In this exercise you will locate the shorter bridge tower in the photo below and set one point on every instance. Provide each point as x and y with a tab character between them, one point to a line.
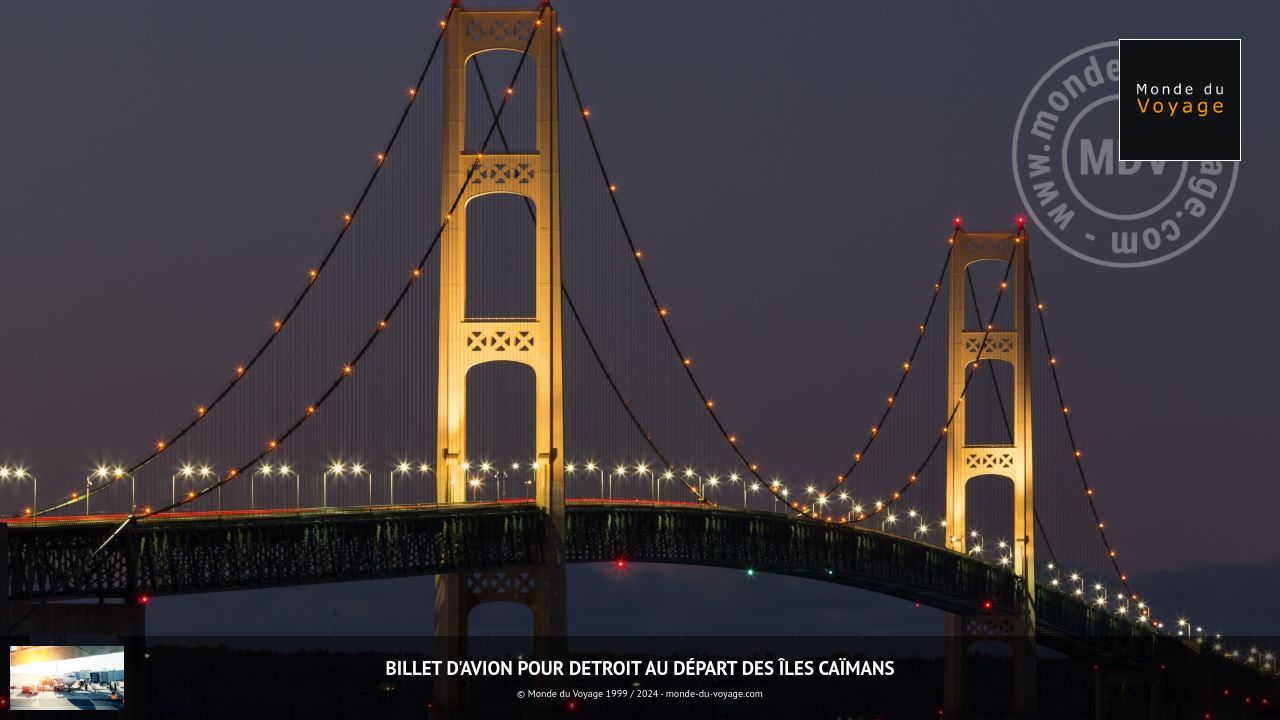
967	349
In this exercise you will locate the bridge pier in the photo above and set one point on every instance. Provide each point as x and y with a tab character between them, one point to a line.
1131	693
962	632
543	589
1189	683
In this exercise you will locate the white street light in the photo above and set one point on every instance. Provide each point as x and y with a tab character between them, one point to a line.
206	472
620	470
263	469
336	468
403	468
487	469
286	471
102	472
592	467
20	473
713	481
186	472
642	470
357	470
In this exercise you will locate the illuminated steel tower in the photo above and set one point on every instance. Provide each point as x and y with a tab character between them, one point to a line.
466	342
967	349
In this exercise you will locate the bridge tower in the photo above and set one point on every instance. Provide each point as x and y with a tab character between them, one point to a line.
466	342
966	461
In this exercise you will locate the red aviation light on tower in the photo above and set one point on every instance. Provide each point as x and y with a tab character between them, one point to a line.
957	221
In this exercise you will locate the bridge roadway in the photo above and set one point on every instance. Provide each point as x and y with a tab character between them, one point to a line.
201	552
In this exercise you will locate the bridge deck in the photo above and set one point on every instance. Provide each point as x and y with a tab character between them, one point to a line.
179	553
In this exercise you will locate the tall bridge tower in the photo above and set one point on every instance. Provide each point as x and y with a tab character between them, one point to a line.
967	349
466	342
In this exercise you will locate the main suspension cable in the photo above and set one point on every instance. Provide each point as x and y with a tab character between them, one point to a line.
1066	419
313	275
895	396
660	310
348	369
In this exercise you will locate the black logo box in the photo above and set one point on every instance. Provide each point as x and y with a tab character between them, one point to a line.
1211	132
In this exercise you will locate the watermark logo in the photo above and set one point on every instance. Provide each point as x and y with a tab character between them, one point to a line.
1082	196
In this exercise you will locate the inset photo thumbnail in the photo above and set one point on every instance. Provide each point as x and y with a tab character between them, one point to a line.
66	677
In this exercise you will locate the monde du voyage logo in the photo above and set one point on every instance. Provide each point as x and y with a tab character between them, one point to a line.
1129	170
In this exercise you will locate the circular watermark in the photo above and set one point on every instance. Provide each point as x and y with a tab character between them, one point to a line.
1077	190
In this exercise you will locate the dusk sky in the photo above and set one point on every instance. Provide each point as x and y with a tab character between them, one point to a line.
166	170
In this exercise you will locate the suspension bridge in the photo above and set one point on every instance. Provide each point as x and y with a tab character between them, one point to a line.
571	426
